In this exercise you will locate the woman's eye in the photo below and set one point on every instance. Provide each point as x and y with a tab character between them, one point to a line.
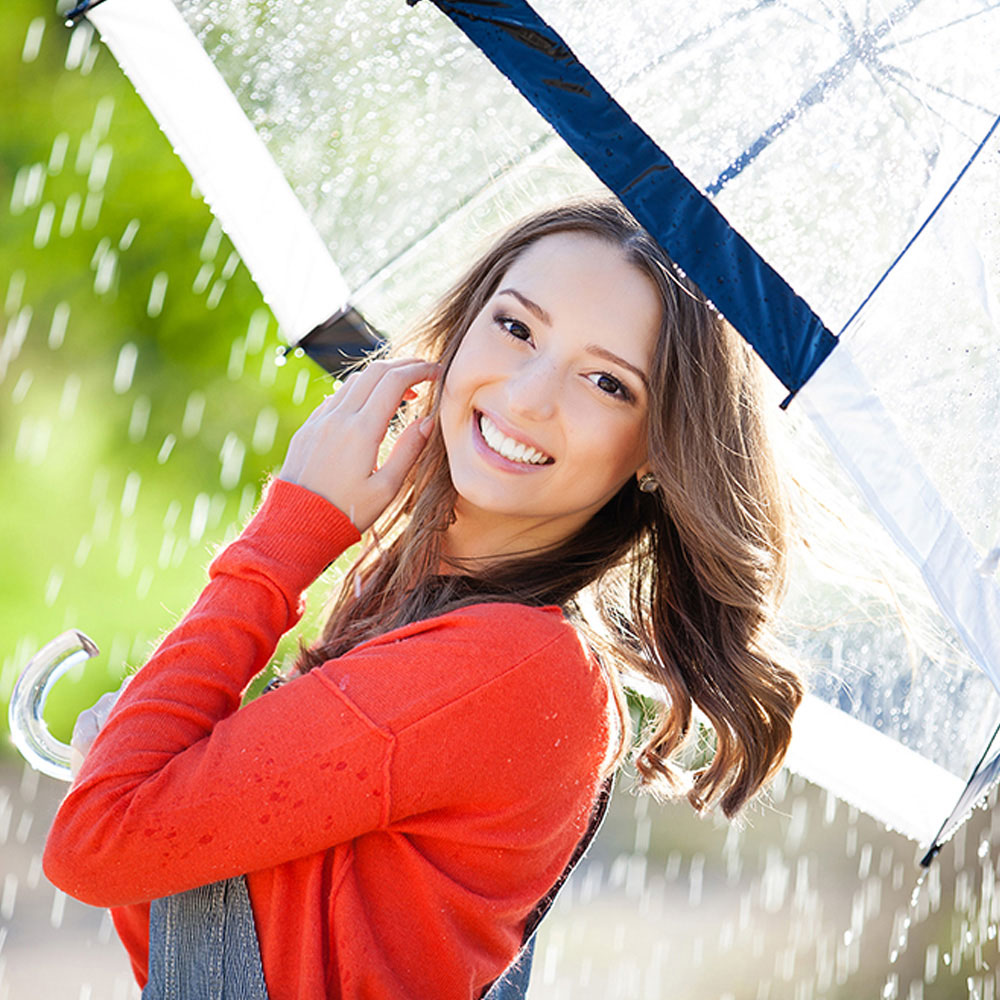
514	327
609	384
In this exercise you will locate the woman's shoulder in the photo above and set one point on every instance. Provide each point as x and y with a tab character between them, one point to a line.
496	630
491	648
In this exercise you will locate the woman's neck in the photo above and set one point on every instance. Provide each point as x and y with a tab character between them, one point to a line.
475	538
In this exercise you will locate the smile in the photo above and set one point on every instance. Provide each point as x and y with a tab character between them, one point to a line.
507	447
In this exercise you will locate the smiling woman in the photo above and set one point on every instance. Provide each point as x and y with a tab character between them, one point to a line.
586	492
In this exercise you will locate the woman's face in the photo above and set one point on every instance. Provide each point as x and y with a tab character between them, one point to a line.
543	410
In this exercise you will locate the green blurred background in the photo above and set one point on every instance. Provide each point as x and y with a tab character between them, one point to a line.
140	405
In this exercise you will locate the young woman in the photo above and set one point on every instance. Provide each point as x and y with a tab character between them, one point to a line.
586	490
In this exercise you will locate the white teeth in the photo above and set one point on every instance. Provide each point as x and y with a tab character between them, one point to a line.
513	450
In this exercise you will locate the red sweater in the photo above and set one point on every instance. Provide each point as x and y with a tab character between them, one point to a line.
398	811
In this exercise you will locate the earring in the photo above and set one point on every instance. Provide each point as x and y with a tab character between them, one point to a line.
648	483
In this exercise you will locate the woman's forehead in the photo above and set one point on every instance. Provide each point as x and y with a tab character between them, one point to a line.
582	277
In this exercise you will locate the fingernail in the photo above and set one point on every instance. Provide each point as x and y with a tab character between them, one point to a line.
425	426
410	394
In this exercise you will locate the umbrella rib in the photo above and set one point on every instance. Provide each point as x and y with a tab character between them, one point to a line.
941	27
816	94
933	86
546	139
807	17
691	39
875	74
902	253
934	111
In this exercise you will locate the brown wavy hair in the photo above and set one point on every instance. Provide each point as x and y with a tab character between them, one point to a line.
678	586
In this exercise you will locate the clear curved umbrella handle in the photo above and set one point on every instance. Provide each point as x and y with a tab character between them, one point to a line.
28	730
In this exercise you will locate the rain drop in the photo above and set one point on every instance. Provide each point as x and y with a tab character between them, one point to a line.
102	117
15	290
129	235
70	396
21	387
79	41
202	278
125	369
43	228
166	448
57	158
107	269
52	586
130	494
231	456
9	896
99	167
215	293
199	517
157	292
264	430
139	419
301	384
229	268
58	909
71	211
91	209
237	357
256	331
33	40
210	244
57	329
194	410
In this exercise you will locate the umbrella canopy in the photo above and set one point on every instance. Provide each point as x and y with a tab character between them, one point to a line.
834	164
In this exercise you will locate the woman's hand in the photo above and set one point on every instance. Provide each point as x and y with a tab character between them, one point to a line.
335	452
88	724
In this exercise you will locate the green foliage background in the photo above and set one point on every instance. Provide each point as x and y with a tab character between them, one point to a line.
108	480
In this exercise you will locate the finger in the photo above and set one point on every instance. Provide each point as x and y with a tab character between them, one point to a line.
323	407
404	453
85	731
386	398
359	388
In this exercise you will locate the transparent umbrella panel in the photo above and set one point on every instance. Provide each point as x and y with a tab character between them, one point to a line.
820	129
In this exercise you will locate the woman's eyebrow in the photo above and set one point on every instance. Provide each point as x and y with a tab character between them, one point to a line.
603	352
532	307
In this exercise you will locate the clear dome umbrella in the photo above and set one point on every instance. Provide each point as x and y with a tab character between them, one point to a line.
356	153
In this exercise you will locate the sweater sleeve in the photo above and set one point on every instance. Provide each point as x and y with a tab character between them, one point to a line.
436	728
157	754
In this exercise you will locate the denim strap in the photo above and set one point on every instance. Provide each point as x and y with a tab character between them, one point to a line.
513	984
203	946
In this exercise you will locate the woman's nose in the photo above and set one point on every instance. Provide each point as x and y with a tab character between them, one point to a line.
533	389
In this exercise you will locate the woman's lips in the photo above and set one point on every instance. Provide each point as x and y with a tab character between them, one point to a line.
495	458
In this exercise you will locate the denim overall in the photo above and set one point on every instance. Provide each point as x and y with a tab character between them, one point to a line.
203	944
